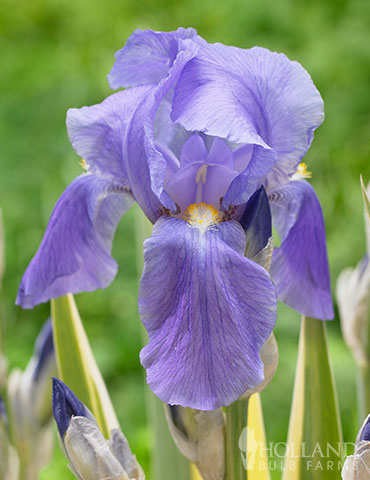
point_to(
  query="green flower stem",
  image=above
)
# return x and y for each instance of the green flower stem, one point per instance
(236, 421)
(167, 462)
(363, 392)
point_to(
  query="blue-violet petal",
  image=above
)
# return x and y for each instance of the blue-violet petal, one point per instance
(208, 311)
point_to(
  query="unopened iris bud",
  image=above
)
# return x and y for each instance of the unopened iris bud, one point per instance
(29, 395)
(37, 376)
(357, 466)
(30, 391)
(89, 453)
(353, 296)
(270, 358)
(364, 433)
(256, 221)
(91, 456)
(199, 435)
(66, 405)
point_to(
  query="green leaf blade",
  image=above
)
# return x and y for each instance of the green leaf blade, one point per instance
(76, 364)
(315, 435)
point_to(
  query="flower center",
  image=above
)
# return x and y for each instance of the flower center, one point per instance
(202, 216)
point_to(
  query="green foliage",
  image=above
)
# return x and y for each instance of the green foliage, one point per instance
(77, 367)
(315, 434)
(55, 55)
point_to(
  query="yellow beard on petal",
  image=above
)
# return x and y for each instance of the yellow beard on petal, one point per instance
(302, 172)
(84, 165)
(202, 216)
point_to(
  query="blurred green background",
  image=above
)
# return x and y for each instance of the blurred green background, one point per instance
(56, 54)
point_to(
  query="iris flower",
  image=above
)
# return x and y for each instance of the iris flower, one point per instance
(207, 139)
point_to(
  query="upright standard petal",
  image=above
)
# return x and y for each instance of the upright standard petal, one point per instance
(97, 133)
(208, 311)
(146, 165)
(74, 255)
(251, 96)
(300, 265)
(147, 57)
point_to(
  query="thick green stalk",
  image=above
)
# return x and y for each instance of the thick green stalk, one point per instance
(236, 422)
(167, 462)
(315, 436)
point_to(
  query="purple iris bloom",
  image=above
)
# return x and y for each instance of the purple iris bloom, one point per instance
(207, 140)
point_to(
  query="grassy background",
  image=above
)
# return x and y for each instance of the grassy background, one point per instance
(55, 55)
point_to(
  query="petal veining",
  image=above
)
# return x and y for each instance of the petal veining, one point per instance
(74, 255)
(147, 57)
(97, 133)
(208, 311)
(300, 265)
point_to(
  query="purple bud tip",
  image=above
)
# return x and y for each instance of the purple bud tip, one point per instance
(256, 221)
(65, 405)
(44, 348)
(365, 433)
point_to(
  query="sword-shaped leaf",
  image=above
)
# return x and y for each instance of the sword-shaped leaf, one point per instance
(315, 435)
(76, 363)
